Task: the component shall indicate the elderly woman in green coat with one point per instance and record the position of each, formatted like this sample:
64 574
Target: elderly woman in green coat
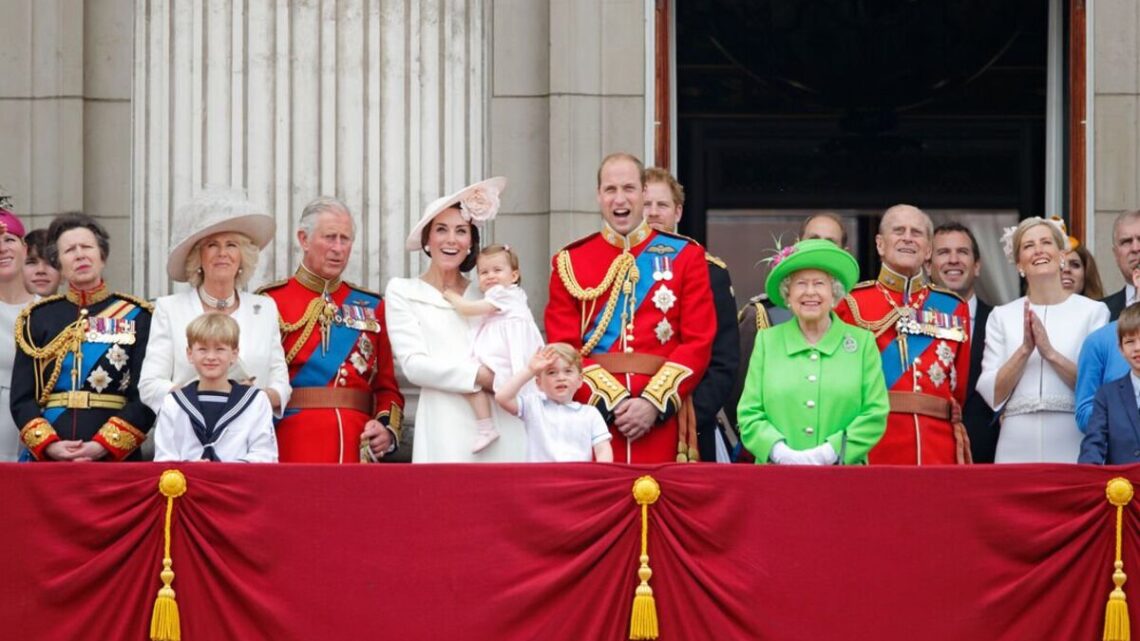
814 394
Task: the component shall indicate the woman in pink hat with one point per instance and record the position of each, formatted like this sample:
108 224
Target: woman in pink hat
216 246
13 299
432 341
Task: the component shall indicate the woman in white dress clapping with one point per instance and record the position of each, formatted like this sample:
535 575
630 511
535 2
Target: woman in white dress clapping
1029 366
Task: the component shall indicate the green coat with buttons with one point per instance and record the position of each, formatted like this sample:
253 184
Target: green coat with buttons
805 395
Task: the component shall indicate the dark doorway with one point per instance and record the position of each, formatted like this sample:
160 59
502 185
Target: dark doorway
790 106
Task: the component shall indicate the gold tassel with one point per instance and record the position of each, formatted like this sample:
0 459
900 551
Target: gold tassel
1116 624
165 623
643 618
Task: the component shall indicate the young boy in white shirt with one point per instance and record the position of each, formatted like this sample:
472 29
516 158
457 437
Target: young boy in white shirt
214 418
558 428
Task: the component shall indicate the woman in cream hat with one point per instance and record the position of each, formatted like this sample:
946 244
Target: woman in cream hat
432 341
216 243
815 393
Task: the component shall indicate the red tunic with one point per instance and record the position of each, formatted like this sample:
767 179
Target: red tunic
673 324
358 357
933 360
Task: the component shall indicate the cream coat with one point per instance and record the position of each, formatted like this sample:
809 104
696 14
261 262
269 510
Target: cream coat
432 346
259 348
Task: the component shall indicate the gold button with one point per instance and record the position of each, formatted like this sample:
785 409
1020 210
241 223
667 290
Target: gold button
808 430
810 403
814 356
629 350
918 388
811 378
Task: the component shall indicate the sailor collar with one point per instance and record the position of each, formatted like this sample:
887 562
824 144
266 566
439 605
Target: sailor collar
626 243
896 282
316 283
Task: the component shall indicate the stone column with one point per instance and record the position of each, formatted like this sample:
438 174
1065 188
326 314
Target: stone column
378 102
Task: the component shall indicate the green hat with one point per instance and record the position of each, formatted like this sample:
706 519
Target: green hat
814 253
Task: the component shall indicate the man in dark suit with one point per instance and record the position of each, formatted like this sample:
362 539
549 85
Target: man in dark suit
664 203
955 265
1126 249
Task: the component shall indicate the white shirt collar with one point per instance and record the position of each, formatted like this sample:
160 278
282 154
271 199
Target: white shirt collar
1135 387
1129 294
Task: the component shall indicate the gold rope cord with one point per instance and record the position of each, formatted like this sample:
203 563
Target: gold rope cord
68 340
643 618
165 621
622 270
316 309
1116 624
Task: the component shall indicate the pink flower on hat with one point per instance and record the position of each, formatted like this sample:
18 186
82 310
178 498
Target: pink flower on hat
480 205
782 254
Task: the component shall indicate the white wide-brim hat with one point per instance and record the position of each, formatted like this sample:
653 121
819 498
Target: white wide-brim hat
215 211
478 203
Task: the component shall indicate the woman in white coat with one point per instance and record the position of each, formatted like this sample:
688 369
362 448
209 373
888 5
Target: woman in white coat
432 342
216 246
1029 368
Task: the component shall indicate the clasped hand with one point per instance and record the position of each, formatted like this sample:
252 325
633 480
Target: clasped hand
1034 335
819 455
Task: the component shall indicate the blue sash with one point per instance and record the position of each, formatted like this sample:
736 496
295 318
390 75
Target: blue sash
916 344
92 352
645 282
320 369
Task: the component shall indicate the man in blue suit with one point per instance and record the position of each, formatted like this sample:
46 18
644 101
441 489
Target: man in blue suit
1113 433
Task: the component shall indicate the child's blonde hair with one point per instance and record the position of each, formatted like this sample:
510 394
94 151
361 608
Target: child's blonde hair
512 257
566 352
213 327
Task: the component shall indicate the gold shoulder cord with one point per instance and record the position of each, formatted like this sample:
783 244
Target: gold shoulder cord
317 310
68 340
623 269
878 327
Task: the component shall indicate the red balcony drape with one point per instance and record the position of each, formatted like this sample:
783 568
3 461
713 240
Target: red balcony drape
549 552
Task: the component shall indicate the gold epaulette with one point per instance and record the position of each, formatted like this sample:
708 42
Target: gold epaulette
762 320
862 284
145 304
715 260
274 285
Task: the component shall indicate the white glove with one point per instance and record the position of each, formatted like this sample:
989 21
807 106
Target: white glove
821 455
784 455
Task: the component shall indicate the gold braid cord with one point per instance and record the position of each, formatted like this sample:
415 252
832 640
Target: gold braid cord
877 327
69 340
1116 624
308 321
622 269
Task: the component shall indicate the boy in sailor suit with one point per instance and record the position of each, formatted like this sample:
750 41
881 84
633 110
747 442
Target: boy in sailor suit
213 418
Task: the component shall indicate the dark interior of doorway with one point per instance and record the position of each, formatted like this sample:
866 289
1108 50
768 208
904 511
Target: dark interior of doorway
858 104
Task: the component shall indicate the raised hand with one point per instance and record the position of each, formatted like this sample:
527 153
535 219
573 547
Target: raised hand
542 359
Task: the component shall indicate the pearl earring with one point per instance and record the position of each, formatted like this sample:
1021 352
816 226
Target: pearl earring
1021 273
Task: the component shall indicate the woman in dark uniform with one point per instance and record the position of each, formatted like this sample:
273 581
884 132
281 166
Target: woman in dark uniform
74 382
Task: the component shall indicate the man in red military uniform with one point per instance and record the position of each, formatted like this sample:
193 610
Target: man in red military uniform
923 334
346 406
637 304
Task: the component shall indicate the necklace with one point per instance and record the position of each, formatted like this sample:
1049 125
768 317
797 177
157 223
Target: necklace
220 304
